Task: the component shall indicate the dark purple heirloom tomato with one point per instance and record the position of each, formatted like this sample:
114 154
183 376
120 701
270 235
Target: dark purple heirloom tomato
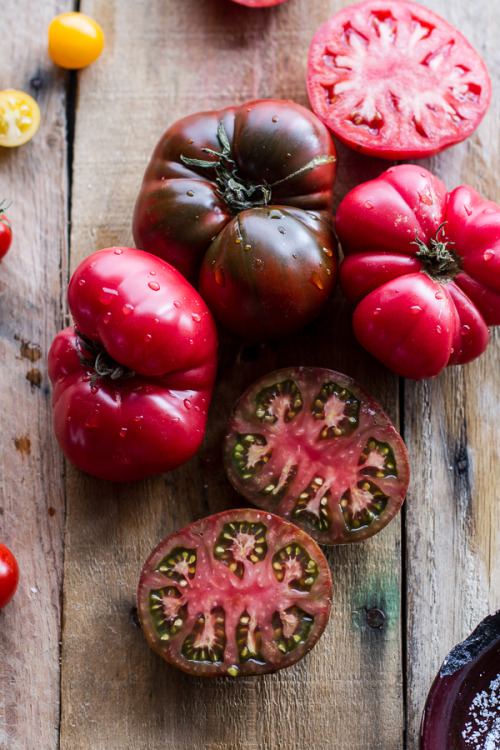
313 446
241 592
239 200
463 706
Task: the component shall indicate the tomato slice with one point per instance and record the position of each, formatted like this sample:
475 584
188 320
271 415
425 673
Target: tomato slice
313 446
19 117
392 79
241 592
462 708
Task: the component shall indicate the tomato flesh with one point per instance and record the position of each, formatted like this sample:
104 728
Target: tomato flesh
19 118
393 79
311 445
9 575
241 592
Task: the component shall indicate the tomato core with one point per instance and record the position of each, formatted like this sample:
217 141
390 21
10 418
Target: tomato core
440 262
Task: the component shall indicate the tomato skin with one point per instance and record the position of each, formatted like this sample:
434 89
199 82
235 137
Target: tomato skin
5 232
150 320
9 575
259 3
167 592
182 209
413 318
74 40
393 79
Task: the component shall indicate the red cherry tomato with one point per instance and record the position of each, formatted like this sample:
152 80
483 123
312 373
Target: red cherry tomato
313 446
242 592
133 380
393 79
9 575
424 267
5 231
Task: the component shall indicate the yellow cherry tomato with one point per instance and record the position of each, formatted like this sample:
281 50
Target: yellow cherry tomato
19 117
75 40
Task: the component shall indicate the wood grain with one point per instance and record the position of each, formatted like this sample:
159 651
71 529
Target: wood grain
434 572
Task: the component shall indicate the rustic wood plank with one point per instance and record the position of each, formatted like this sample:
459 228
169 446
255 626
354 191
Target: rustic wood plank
159 65
451 430
34 178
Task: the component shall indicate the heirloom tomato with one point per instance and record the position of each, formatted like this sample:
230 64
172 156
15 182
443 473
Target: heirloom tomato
239 201
133 379
5 231
242 592
392 79
462 710
9 575
424 267
75 40
313 446
259 3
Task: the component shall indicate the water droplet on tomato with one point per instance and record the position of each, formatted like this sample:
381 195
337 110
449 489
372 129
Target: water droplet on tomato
465 330
238 240
175 420
93 420
118 251
368 204
107 295
316 281
219 276
148 338
415 309
248 247
190 140
196 317
61 378
282 230
328 251
288 156
123 431
439 295
107 317
152 273
81 282
488 255
190 193
127 309
154 286
275 119
467 209
439 329
177 303
377 311
187 403
259 263
156 321
138 418
94 389
275 214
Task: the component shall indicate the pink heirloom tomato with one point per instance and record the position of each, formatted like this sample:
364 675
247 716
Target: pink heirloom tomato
133 379
239 200
423 266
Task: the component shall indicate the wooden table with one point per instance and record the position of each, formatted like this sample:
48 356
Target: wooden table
75 670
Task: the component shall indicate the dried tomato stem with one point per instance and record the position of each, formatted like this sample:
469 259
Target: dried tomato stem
239 194
95 357
440 262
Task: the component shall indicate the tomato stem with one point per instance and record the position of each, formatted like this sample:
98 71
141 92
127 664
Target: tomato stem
94 356
239 194
3 209
439 261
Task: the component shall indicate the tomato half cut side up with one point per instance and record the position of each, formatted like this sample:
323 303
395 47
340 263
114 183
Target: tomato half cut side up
240 592
392 79
313 446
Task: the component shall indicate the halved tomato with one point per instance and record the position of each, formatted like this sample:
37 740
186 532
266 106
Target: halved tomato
241 592
393 79
313 446
19 118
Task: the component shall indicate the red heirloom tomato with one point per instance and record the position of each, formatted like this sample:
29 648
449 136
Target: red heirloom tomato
242 592
424 265
313 446
5 231
393 79
462 708
9 575
133 379
239 201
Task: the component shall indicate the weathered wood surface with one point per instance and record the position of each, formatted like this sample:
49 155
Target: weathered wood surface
81 542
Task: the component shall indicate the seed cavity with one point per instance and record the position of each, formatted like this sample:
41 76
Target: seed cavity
291 628
249 640
362 505
168 611
378 460
250 454
179 565
207 640
338 408
313 506
241 542
279 401
294 567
